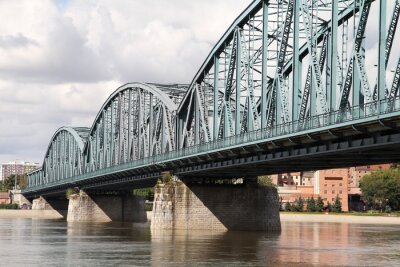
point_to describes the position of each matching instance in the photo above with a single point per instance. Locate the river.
(27, 242)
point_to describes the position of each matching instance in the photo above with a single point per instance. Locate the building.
(327, 184)
(17, 168)
(332, 183)
(5, 198)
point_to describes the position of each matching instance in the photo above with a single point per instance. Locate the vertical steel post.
(163, 132)
(296, 61)
(382, 51)
(216, 80)
(151, 122)
(328, 72)
(264, 86)
(129, 125)
(238, 78)
(333, 55)
(196, 115)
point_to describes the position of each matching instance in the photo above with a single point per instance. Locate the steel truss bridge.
(292, 85)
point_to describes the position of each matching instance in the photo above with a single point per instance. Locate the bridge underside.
(368, 143)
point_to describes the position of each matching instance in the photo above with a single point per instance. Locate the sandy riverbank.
(333, 218)
(339, 218)
(34, 214)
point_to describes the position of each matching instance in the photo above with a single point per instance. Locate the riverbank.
(285, 217)
(339, 218)
(33, 214)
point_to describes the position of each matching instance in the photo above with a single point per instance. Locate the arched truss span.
(288, 61)
(63, 157)
(136, 121)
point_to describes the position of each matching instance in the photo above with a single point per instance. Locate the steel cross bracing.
(345, 92)
(136, 121)
(390, 39)
(283, 66)
(63, 157)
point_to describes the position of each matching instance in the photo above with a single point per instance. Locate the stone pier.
(90, 207)
(57, 204)
(221, 207)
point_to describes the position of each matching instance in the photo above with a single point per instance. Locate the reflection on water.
(210, 248)
(25, 242)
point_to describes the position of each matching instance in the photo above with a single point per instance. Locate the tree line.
(313, 205)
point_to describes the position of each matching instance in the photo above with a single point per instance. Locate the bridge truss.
(282, 68)
(289, 61)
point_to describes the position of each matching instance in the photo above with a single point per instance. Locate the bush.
(319, 205)
(166, 178)
(337, 206)
(299, 204)
(288, 206)
(328, 206)
(149, 206)
(9, 206)
(265, 180)
(147, 193)
(311, 205)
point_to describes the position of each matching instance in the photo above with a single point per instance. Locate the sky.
(61, 59)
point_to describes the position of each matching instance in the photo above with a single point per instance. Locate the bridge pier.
(60, 205)
(95, 207)
(245, 207)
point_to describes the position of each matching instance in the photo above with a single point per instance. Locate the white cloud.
(60, 60)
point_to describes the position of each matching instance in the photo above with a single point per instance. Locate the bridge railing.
(355, 114)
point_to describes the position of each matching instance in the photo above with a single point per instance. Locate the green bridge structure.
(292, 85)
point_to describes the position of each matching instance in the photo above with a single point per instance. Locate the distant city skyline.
(16, 168)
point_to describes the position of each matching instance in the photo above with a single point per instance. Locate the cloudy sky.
(61, 59)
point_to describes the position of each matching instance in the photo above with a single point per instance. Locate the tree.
(311, 204)
(265, 180)
(147, 193)
(381, 189)
(299, 204)
(293, 207)
(329, 206)
(337, 205)
(288, 206)
(9, 182)
(319, 205)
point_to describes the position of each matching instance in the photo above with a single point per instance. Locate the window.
(333, 191)
(333, 185)
(340, 191)
(340, 184)
(333, 199)
(325, 192)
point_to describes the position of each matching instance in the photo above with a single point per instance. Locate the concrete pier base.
(220, 207)
(60, 205)
(84, 207)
